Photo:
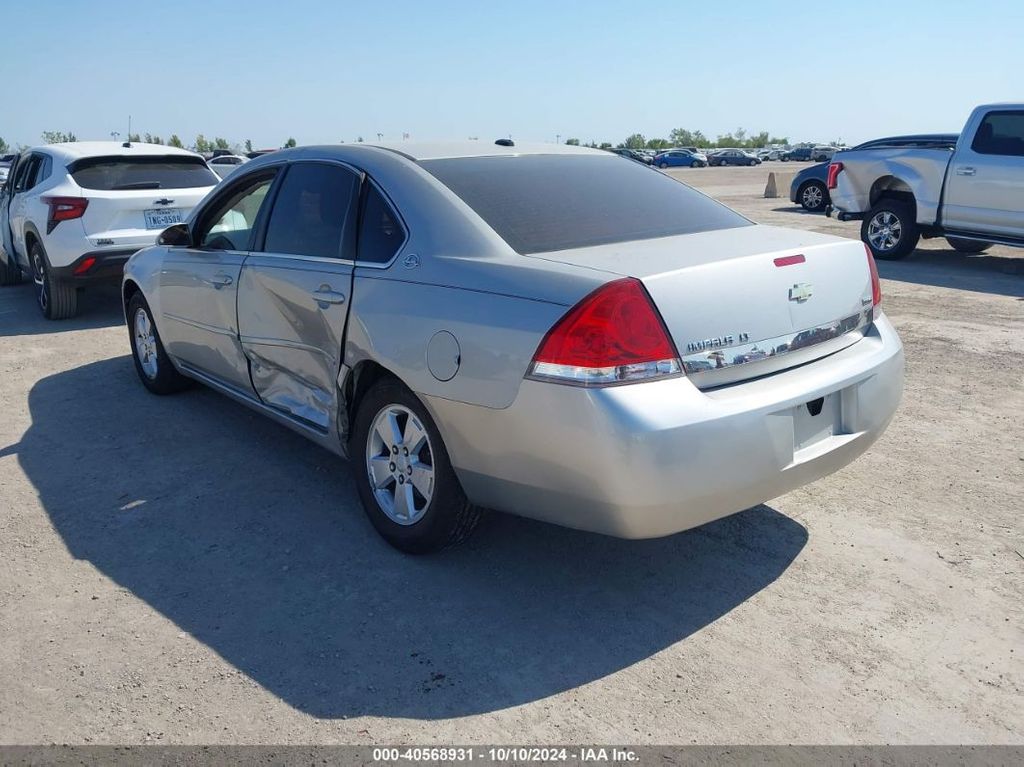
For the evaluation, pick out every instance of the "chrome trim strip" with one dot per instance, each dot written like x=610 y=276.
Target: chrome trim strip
x=282 y=343
x=201 y=325
x=725 y=365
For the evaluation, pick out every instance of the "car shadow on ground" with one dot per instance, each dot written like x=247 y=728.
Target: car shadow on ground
x=251 y=539
x=946 y=268
x=98 y=307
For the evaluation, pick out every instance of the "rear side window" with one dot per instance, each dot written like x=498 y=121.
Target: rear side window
x=121 y=173
x=1000 y=133
x=380 y=232
x=541 y=203
x=311 y=211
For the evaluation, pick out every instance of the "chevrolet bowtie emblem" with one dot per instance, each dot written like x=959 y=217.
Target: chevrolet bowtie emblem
x=801 y=292
x=162 y=201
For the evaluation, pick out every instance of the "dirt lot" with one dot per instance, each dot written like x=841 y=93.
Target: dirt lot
x=179 y=570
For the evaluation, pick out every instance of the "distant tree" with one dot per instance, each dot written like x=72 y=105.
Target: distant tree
x=659 y=143
x=134 y=138
x=151 y=139
x=605 y=145
x=202 y=145
x=760 y=140
x=3 y=146
x=572 y=141
x=740 y=134
x=248 y=145
x=292 y=142
x=700 y=140
x=359 y=140
x=220 y=143
x=681 y=137
x=58 y=137
x=636 y=141
x=175 y=141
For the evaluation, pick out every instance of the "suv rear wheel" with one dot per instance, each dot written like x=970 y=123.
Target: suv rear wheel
x=57 y=300
x=405 y=478
x=890 y=229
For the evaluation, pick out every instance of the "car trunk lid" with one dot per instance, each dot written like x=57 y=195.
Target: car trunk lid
x=748 y=301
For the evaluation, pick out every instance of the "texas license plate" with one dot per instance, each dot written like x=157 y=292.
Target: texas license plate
x=161 y=219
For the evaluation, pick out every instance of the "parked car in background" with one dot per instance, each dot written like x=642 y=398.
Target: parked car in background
x=798 y=154
x=680 y=158
x=5 y=169
x=973 y=195
x=769 y=154
x=72 y=214
x=329 y=289
x=633 y=154
x=809 y=188
x=226 y=164
x=822 y=153
x=733 y=157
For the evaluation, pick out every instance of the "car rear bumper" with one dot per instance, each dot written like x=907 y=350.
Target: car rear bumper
x=647 y=460
x=96 y=266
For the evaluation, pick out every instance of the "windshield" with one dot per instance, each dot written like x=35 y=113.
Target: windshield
x=155 y=172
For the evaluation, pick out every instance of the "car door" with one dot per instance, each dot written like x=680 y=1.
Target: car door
x=199 y=283
x=985 y=180
x=24 y=176
x=6 y=242
x=294 y=291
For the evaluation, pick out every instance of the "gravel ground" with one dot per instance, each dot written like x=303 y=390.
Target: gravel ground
x=179 y=570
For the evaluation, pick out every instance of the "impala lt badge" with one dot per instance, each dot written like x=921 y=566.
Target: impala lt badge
x=801 y=292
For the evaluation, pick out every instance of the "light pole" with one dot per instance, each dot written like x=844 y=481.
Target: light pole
x=558 y=138
x=380 y=136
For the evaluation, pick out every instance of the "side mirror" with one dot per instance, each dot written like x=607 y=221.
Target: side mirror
x=176 y=236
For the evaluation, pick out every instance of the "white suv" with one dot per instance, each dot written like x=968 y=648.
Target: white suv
x=72 y=214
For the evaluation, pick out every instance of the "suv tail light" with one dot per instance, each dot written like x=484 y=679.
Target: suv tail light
x=64 y=209
x=834 y=170
x=614 y=335
x=876 y=285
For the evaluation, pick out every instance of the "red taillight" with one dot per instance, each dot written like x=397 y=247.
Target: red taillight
x=64 y=209
x=833 y=174
x=614 y=335
x=876 y=285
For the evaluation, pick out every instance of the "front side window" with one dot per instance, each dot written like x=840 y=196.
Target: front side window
x=380 y=232
x=1000 y=133
x=234 y=221
x=312 y=210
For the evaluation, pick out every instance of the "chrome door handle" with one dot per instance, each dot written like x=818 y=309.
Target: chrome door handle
x=965 y=171
x=324 y=295
x=219 y=280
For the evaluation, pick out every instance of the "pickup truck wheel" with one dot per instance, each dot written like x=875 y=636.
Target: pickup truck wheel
x=155 y=369
x=968 y=246
x=404 y=476
x=890 y=229
x=57 y=300
x=813 y=196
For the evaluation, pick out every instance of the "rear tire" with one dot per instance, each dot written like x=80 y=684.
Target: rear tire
x=57 y=300
x=663 y=165
x=695 y=164
x=890 y=229
x=970 y=247
x=155 y=369
x=418 y=522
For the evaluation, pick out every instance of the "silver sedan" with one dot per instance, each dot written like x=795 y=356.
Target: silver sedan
x=545 y=330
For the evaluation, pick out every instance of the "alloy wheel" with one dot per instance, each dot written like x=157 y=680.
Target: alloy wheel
x=812 y=196
x=884 y=231
x=145 y=343
x=39 y=278
x=400 y=464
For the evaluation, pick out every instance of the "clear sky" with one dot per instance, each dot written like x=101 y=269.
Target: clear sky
x=329 y=71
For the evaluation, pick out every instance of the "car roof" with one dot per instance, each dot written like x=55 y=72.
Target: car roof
x=436 y=150
x=77 y=150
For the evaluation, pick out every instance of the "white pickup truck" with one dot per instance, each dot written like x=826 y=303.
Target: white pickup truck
x=970 y=191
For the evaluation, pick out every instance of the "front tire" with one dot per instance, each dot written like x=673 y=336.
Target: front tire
x=57 y=300
x=155 y=369
x=404 y=475
x=813 y=196
x=970 y=247
x=890 y=229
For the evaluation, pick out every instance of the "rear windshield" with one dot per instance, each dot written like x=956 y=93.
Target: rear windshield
x=114 y=173
x=541 y=203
